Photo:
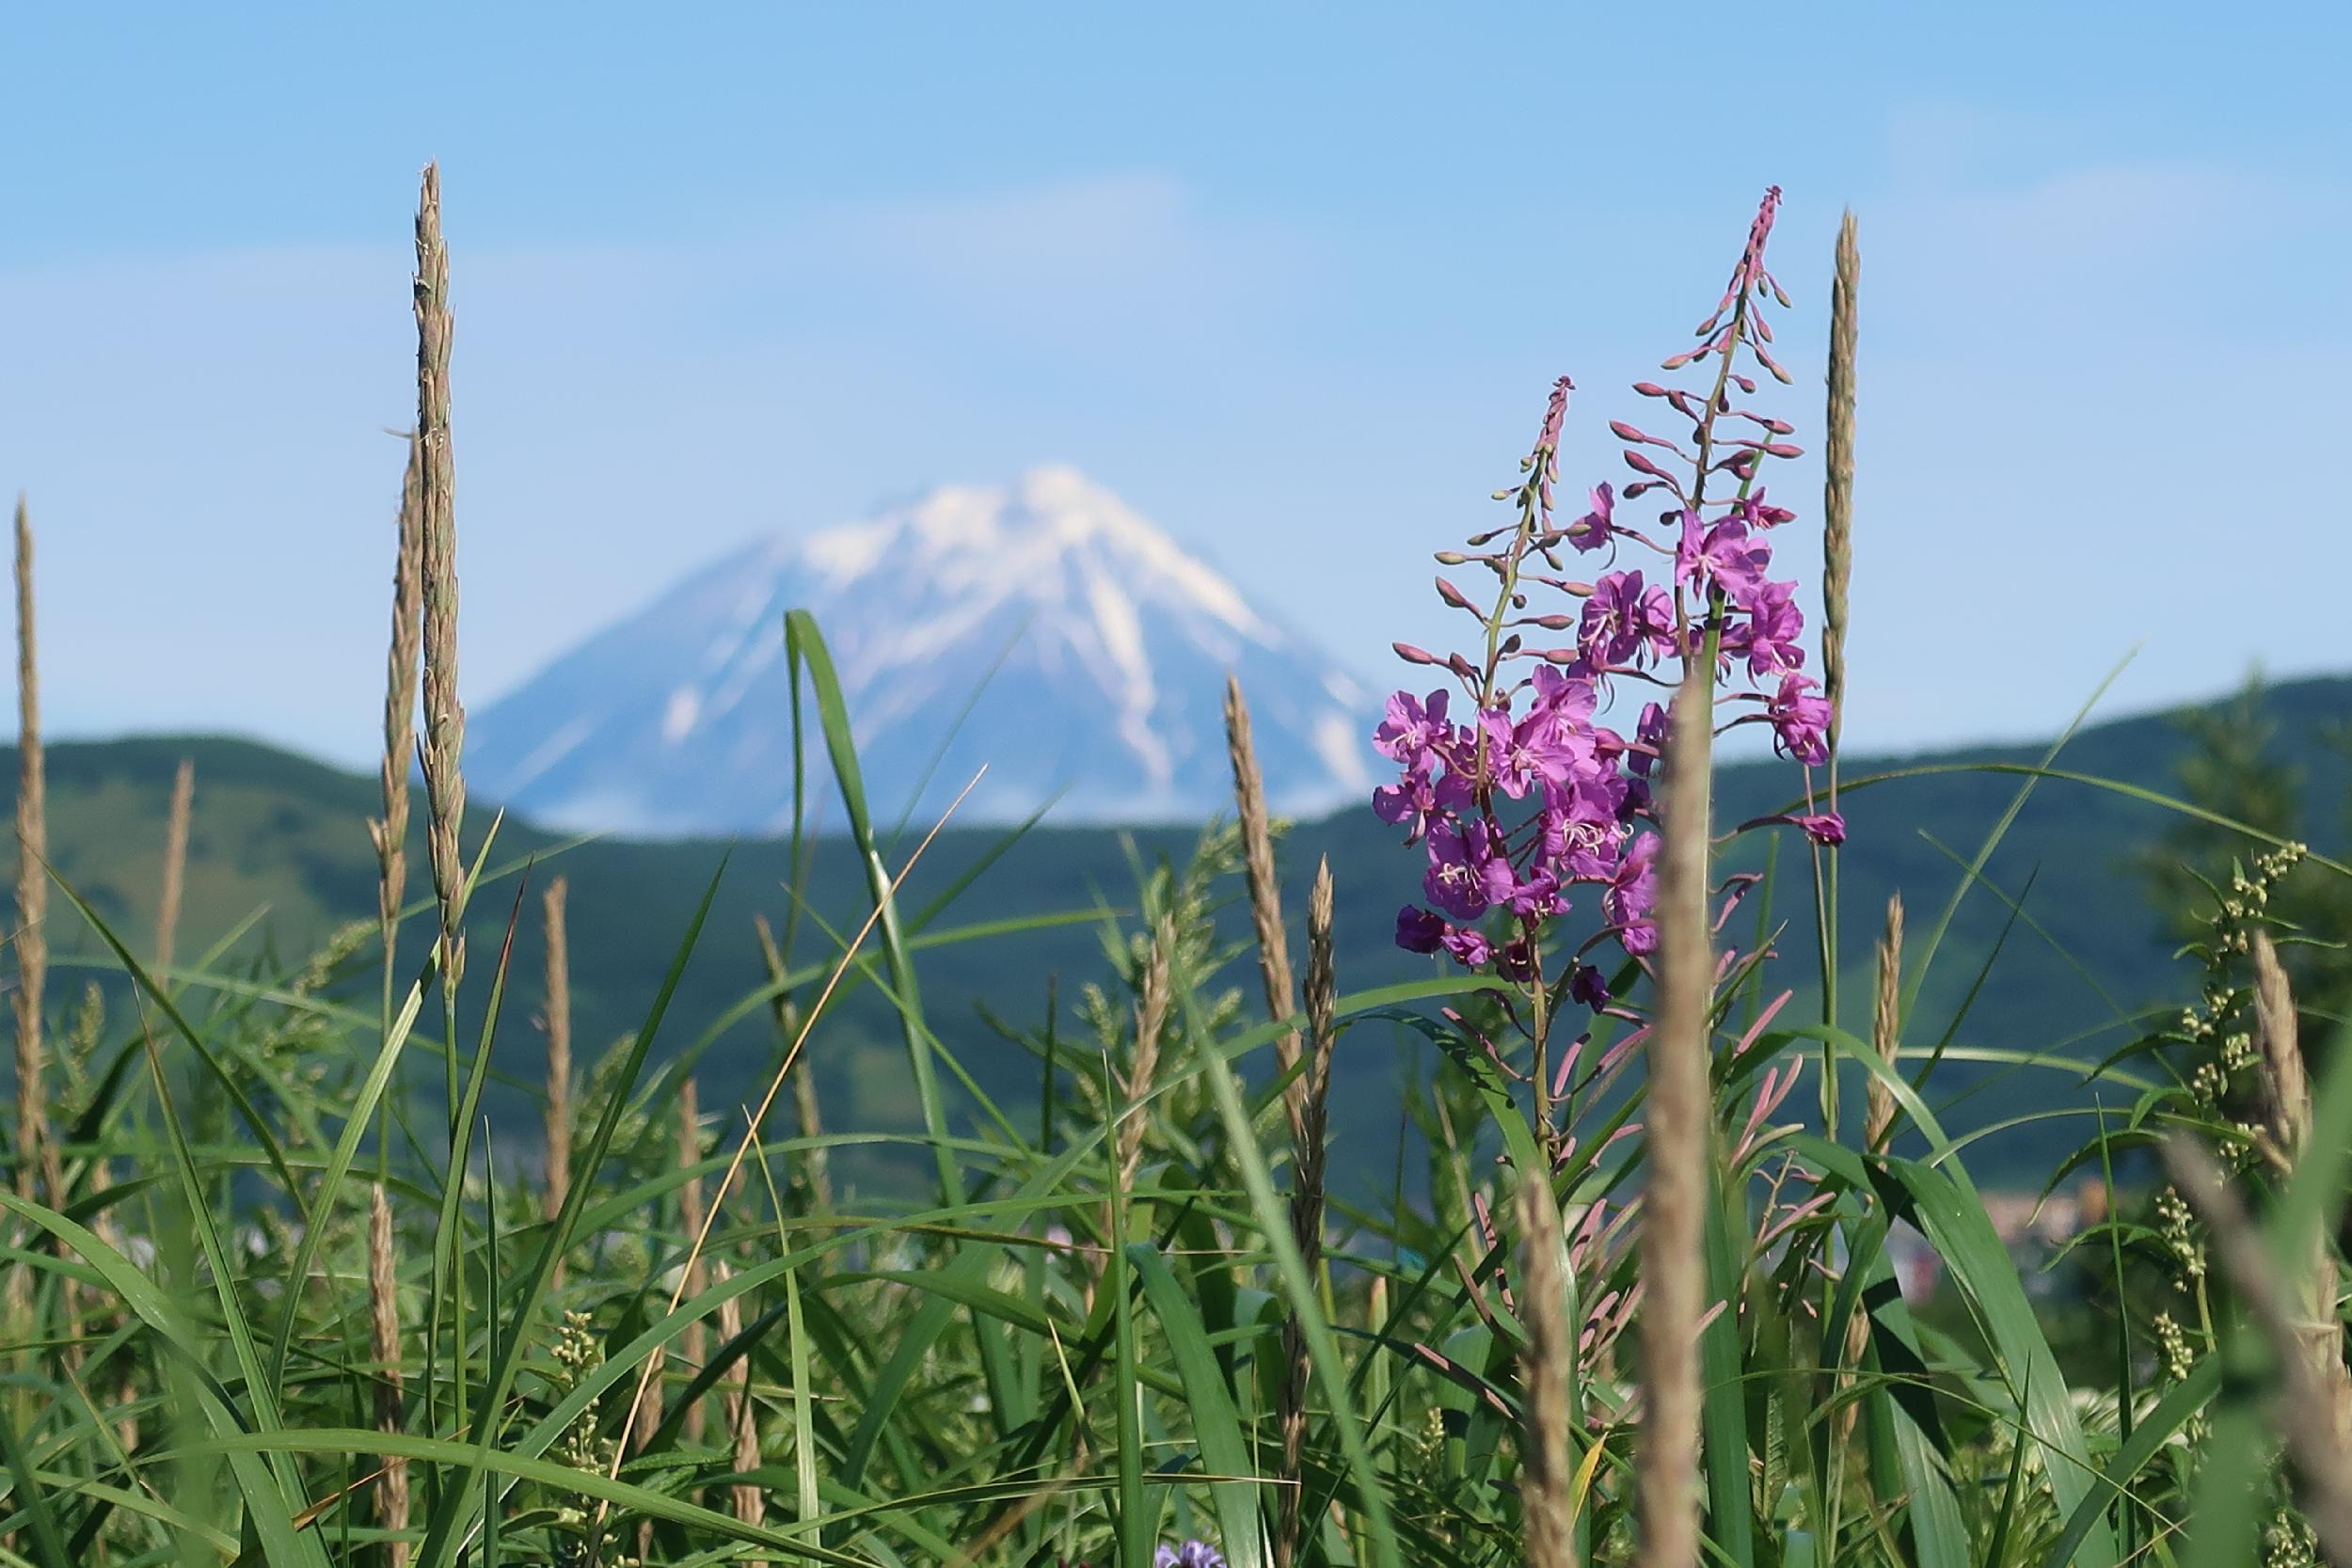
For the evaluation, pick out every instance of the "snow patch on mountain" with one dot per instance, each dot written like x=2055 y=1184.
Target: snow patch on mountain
x=1043 y=627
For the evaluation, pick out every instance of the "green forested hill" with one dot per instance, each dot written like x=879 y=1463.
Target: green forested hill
x=280 y=835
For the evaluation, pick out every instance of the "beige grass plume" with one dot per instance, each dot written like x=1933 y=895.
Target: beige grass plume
x=37 y=1164
x=1265 y=893
x=556 y=1018
x=391 y=831
x=1837 y=486
x=1144 y=1065
x=391 y=1487
x=693 y=1342
x=444 y=716
x=750 y=1504
x=1887 y=1023
x=2285 y=1089
x=1310 y=1096
x=175 y=876
x=1674 y=1196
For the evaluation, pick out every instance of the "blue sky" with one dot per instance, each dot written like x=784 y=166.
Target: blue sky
x=1293 y=279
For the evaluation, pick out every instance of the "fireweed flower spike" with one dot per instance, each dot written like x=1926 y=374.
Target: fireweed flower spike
x=1525 y=803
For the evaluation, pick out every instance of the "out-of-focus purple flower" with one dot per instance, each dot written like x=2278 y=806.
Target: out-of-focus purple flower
x=1589 y=985
x=1594 y=530
x=1466 y=877
x=1649 y=741
x=1721 y=556
x=1415 y=730
x=1417 y=930
x=1192 y=1554
x=1825 y=827
x=1632 y=895
x=1626 y=623
x=1769 y=634
x=1469 y=947
x=1800 y=721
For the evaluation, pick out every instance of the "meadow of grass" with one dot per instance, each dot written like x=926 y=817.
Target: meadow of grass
x=278 y=1291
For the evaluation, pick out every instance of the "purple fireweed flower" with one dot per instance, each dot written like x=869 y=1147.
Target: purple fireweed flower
x=1192 y=1554
x=1594 y=530
x=1546 y=745
x=1580 y=821
x=1415 y=730
x=1632 y=895
x=1567 y=699
x=1417 y=930
x=1626 y=623
x=1470 y=948
x=1759 y=512
x=1769 y=634
x=1466 y=877
x=1800 y=721
x=1589 y=985
x=1721 y=556
x=1539 y=895
x=1419 y=803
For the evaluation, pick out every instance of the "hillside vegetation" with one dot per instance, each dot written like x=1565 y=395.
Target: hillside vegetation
x=279 y=857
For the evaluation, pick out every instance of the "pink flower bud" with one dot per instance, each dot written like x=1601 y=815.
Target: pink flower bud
x=1411 y=655
x=1454 y=596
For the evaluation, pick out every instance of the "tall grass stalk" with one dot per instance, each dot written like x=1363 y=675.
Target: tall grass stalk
x=808 y=1112
x=2283 y=1086
x=1547 y=1505
x=556 y=1019
x=1266 y=892
x=747 y=1499
x=1310 y=1094
x=444 y=716
x=36 y=1163
x=391 y=831
x=693 y=1342
x=175 y=872
x=1837 y=590
x=1678 y=1123
x=392 y=1484
x=1143 y=1064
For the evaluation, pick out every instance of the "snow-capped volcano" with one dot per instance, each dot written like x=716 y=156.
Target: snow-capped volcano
x=1043 y=627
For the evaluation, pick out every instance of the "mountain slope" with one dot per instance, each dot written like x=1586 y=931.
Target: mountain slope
x=1087 y=648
